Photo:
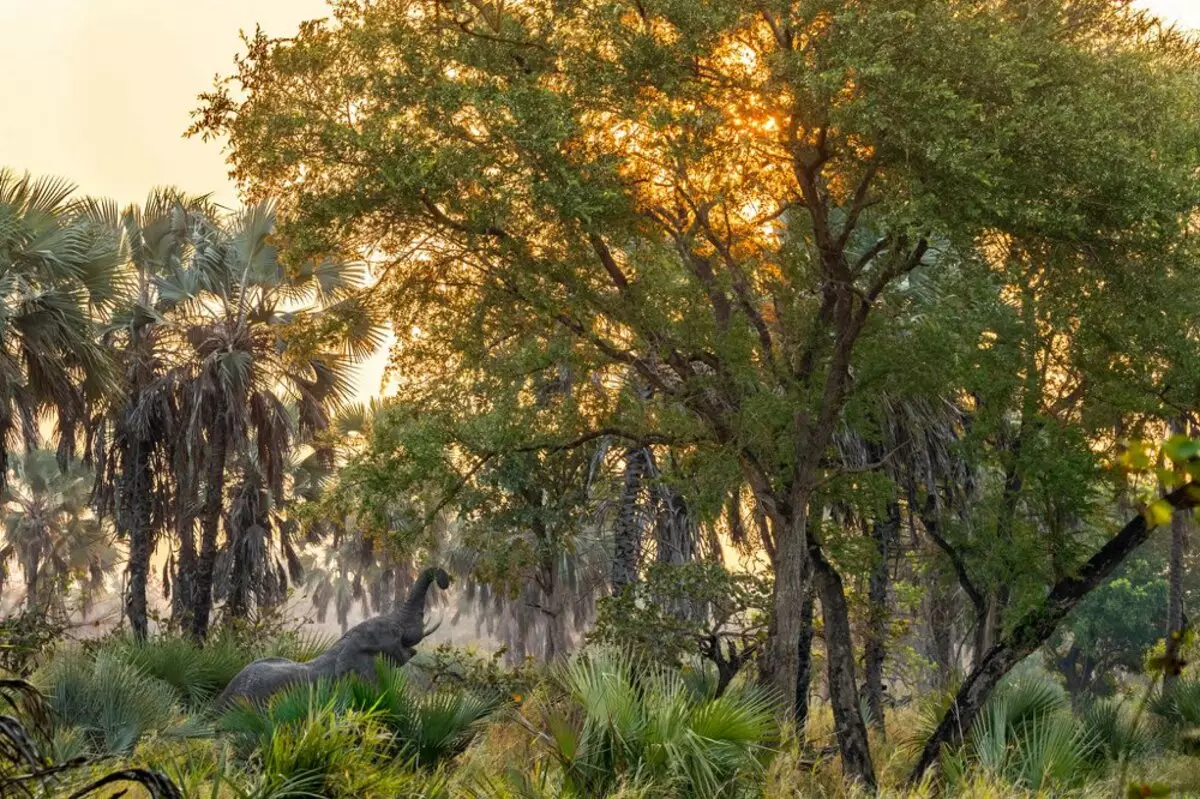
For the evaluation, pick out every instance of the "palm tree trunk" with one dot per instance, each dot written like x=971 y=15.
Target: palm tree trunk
x=627 y=535
x=210 y=526
x=875 y=652
x=140 y=534
x=554 y=611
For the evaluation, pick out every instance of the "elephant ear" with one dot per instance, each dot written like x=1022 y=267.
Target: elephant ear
x=412 y=612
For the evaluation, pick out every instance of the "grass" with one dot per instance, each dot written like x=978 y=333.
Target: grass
x=601 y=725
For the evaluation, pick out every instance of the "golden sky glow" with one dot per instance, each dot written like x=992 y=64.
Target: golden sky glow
x=99 y=91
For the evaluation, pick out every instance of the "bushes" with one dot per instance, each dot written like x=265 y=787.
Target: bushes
x=1179 y=707
x=628 y=723
x=395 y=723
x=602 y=725
x=195 y=674
x=112 y=704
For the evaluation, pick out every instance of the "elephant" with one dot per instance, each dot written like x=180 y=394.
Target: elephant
x=393 y=635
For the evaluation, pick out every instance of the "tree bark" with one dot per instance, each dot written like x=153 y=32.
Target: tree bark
x=804 y=663
x=843 y=687
x=554 y=611
x=140 y=538
x=210 y=526
x=793 y=581
x=1035 y=627
x=875 y=647
x=1179 y=535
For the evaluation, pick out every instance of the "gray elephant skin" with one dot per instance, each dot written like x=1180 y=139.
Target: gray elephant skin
x=393 y=635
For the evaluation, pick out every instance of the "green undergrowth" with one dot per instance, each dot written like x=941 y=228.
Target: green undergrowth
x=455 y=723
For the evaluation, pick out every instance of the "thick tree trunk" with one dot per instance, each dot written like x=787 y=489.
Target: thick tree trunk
x=627 y=533
x=792 y=586
x=1035 y=627
x=1180 y=523
x=804 y=663
x=1079 y=670
x=210 y=527
x=140 y=539
x=884 y=532
x=843 y=687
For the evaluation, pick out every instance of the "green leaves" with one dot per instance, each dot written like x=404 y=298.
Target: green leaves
x=639 y=725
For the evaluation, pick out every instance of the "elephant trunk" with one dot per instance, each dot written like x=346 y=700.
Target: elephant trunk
x=411 y=615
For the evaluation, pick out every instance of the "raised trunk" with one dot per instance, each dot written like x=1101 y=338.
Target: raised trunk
x=843 y=687
x=210 y=526
x=875 y=647
x=1179 y=535
x=140 y=538
x=410 y=616
x=1035 y=628
x=627 y=533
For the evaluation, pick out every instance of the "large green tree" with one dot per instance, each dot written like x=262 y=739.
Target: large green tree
x=729 y=200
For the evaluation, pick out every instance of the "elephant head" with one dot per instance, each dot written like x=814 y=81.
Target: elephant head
x=411 y=615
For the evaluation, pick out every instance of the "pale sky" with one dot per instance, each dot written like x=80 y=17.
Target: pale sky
x=99 y=91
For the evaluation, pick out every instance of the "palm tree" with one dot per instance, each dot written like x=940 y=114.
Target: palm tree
x=58 y=270
x=137 y=436
x=236 y=316
x=53 y=533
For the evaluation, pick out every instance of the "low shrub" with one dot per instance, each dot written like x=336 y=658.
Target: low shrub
x=111 y=703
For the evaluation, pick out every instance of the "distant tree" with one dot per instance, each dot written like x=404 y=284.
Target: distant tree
x=136 y=438
x=53 y=534
x=1111 y=630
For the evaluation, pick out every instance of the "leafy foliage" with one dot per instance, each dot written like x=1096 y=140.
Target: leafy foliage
x=679 y=611
x=196 y=674
x=111 y=703
x=421 y=729
x=629 y=722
